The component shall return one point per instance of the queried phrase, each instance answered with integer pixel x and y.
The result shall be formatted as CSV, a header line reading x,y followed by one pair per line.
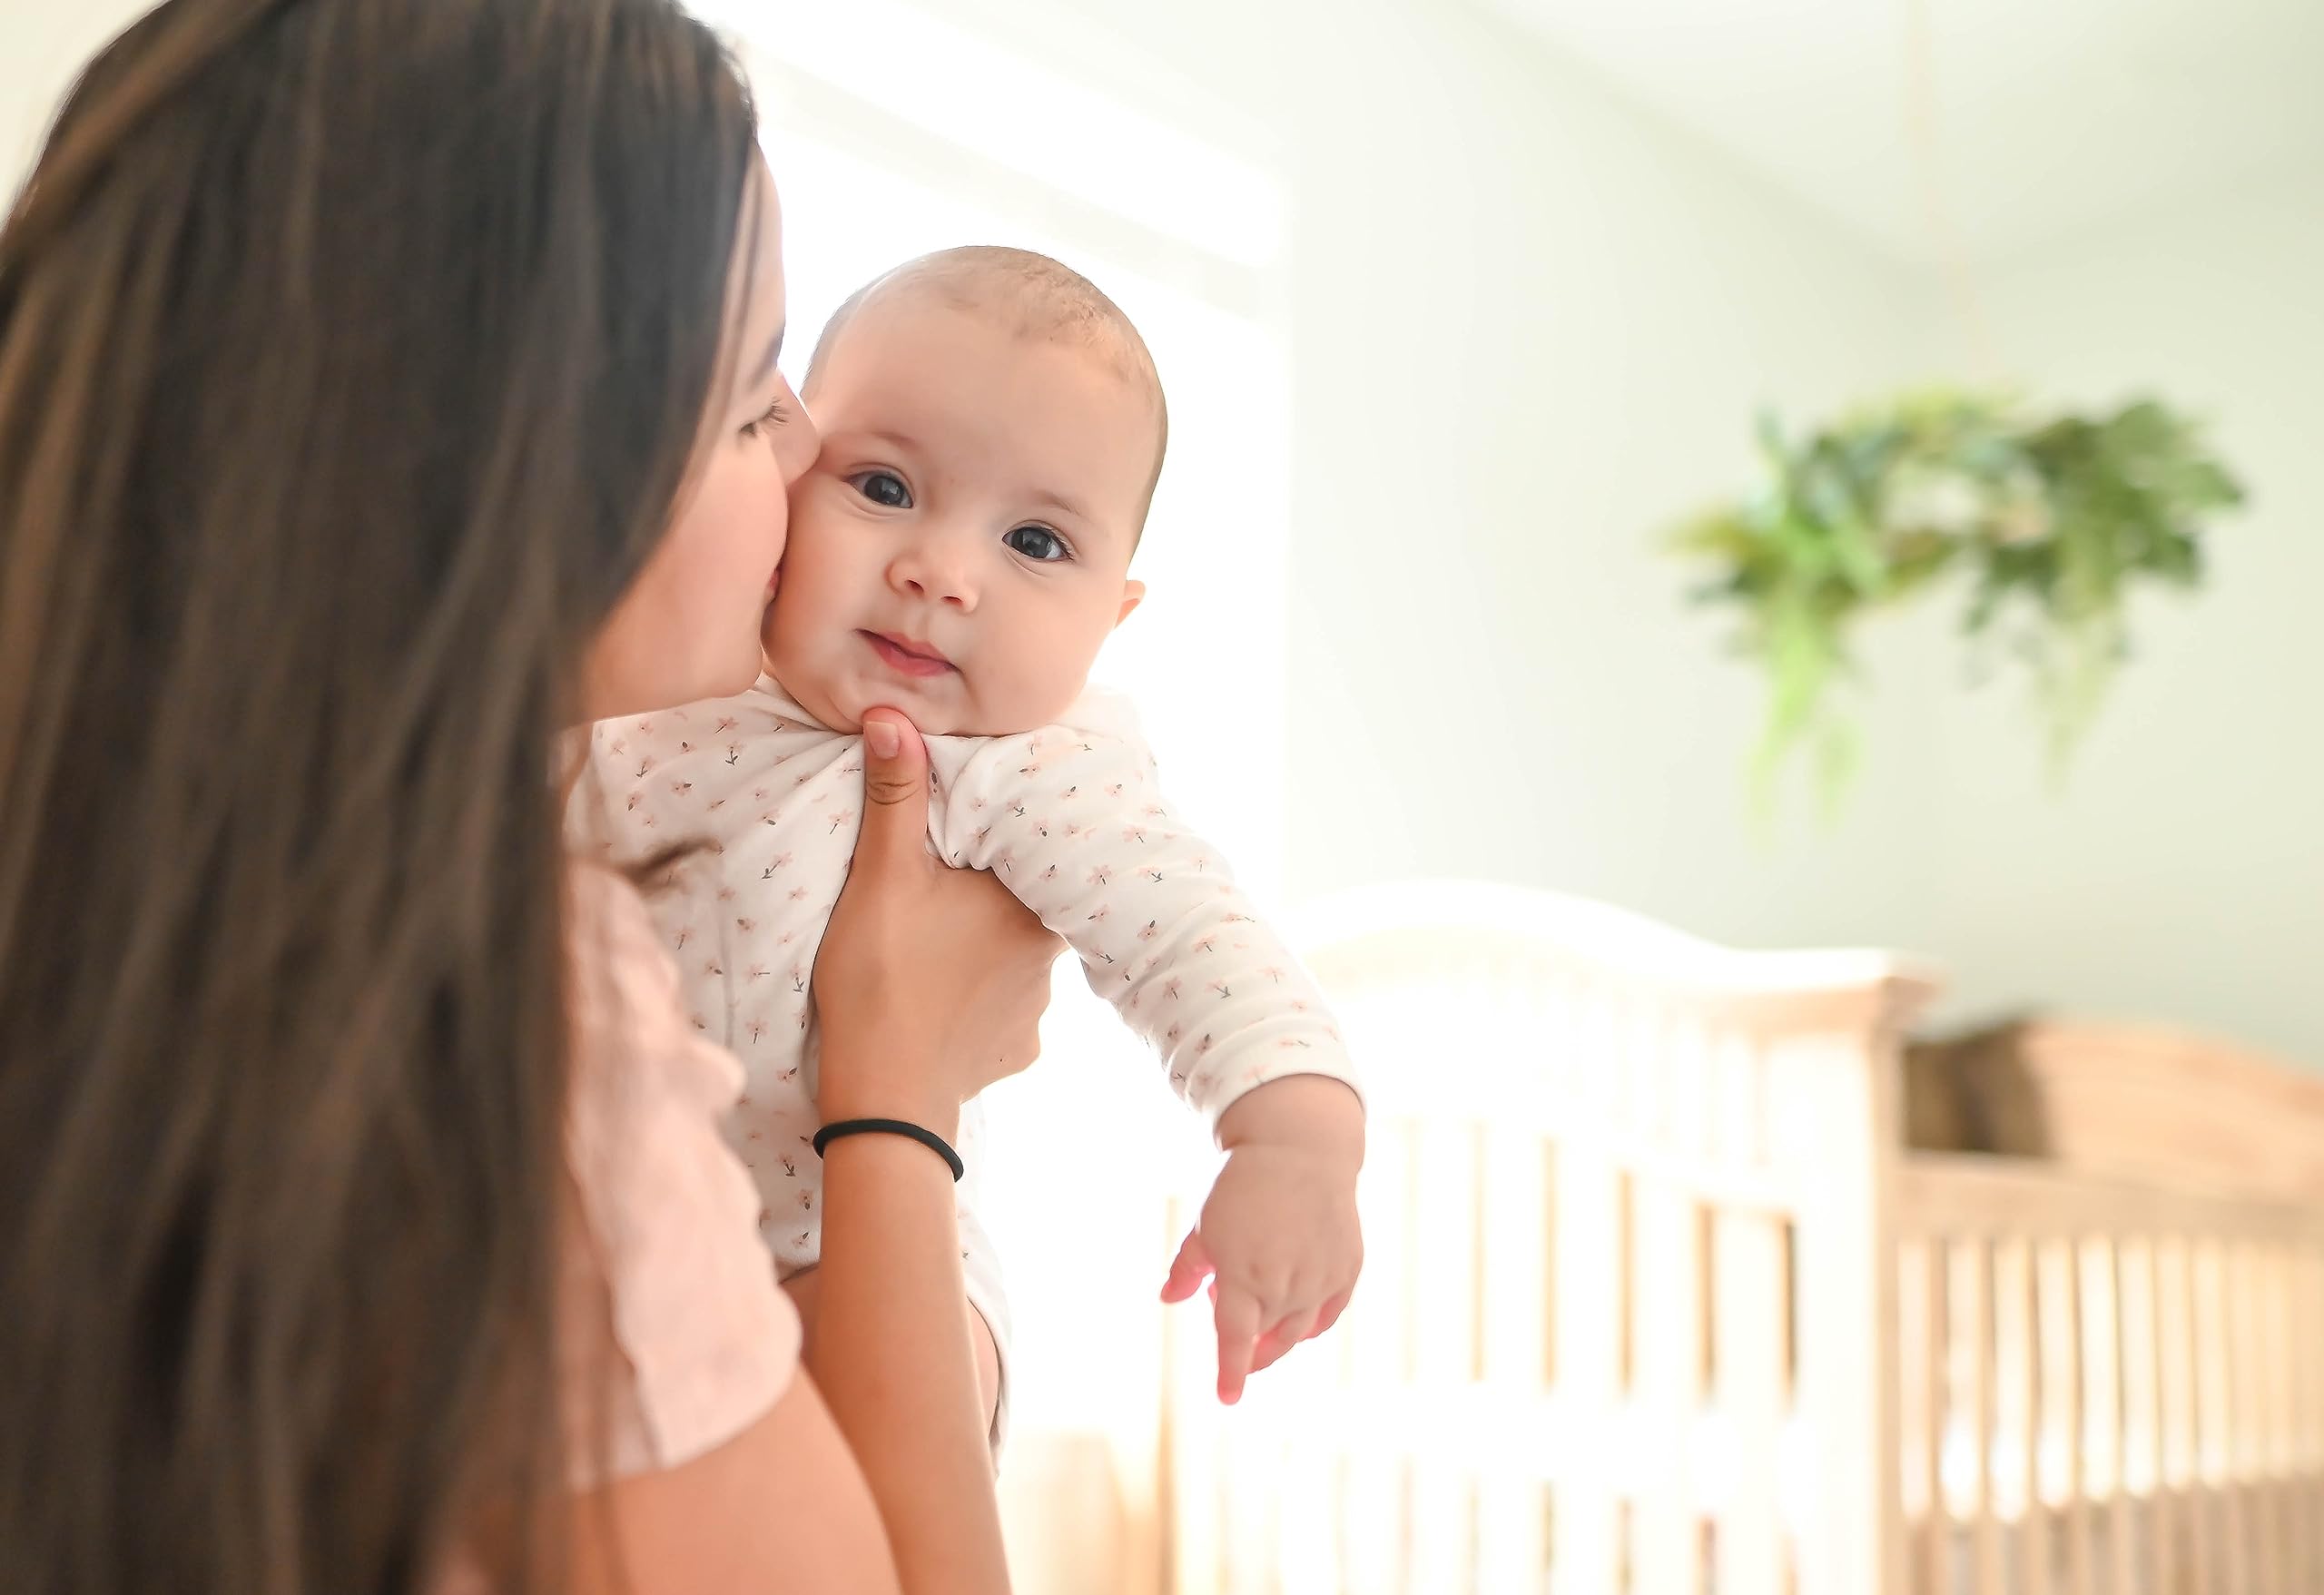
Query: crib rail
x,y
2108,1387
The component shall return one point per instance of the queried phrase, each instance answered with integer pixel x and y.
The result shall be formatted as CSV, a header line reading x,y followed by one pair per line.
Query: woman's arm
x,y
781,1508
887,1488
921,961
894,1358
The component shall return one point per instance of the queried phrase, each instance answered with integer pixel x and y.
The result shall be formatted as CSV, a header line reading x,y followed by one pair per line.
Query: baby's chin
x,y
932,714
840,704
946,706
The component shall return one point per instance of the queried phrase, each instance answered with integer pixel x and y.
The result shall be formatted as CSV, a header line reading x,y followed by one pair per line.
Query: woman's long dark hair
x,y
352,353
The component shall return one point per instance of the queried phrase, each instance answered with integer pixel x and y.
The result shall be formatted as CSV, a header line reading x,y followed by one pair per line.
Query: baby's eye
x,y
1038,543
884,489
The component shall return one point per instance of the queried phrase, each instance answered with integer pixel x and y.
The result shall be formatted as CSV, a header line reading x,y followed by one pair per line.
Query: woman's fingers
x,y
895,793
930,982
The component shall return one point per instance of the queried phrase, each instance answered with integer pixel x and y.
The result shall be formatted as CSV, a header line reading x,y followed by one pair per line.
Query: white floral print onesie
x,y
1070,817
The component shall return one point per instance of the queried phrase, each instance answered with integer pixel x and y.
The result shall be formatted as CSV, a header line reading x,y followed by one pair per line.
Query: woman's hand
x,y
932,981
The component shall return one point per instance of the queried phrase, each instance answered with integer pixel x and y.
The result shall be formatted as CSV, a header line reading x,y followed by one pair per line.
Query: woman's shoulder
x,y
665,1260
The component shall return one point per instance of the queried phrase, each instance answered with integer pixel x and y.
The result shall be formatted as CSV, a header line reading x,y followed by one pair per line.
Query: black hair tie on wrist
x,y
891,1127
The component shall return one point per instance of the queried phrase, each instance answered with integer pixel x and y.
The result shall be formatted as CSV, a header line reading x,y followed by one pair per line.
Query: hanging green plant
x,y
2053,520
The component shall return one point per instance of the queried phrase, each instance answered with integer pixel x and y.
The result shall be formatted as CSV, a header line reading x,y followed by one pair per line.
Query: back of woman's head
x,y
351,354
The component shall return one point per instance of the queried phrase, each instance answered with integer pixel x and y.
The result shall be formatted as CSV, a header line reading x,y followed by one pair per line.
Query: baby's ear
x,y
1133,594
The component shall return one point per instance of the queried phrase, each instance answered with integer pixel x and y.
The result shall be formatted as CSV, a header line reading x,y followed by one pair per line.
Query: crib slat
x,y
1750,1301
2102,1359
1371,1548
1446,1328
2221,1398
1378,1351
2015,1285
1937,1350
2207,1302
2282,1404
2307,1496
2264,1398
2168,1538
1251,1476
2062,1373
2193,1496
2307,1341
2142,1407
2247,1302
1588,1312
2121,1539
1665,1264
1513,1541
1976,1283
2174,1341
2309,1338
2289,1354
1309,1503
2292,1356
2235,1420
2278,1392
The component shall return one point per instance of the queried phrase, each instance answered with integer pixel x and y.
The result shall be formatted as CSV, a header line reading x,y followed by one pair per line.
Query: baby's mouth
x,y
907,655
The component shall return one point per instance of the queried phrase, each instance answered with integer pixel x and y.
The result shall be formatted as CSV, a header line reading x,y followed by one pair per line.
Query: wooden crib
x,y
1656,1301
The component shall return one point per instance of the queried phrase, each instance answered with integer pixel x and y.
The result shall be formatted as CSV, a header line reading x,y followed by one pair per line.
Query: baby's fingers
x,y
1238,1319
1287,1332
1278,1340
1189,1269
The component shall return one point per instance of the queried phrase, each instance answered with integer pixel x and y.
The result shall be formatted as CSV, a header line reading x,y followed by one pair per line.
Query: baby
x,y
993,429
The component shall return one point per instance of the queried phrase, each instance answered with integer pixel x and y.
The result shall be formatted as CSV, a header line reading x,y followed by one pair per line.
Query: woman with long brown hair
x,y
386,388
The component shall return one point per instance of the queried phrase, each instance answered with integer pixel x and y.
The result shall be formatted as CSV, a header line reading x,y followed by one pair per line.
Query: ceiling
x,y
2050,116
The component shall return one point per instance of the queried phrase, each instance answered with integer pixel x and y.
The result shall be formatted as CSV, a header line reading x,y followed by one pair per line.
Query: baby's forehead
x,y
1027,315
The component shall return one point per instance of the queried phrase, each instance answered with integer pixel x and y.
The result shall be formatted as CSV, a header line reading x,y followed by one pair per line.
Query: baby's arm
x,y
1074,822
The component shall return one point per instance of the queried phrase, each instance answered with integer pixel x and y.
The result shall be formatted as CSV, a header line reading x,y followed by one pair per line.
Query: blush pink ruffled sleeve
x,y
674,1337
667,1253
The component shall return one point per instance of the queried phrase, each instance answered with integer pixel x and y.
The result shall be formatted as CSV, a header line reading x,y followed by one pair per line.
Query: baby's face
x,y
961,549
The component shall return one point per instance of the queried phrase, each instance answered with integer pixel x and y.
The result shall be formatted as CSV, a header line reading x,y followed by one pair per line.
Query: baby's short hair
x,y
1037,297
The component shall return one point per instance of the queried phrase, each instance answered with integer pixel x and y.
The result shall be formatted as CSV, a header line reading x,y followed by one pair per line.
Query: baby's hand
x,y
1279,1237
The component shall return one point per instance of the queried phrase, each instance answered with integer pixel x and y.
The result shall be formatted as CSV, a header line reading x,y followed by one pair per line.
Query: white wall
x,y
2180,875
1530,325
42,44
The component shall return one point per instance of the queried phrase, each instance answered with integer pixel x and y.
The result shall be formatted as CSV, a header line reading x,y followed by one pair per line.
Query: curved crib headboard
x,y
1629,1207
1485,967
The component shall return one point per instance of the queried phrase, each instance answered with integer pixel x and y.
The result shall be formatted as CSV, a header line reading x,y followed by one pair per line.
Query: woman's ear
x,y
1133,594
